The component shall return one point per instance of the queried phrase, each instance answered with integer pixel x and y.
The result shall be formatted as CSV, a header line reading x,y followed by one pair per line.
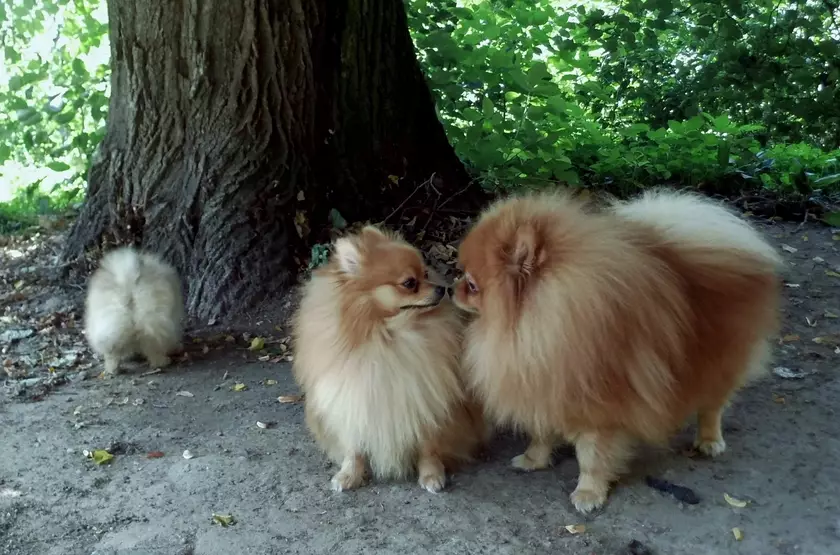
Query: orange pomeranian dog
x,y
604,329
377,354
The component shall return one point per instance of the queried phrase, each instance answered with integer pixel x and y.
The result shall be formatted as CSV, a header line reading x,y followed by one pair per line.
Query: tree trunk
x,y
234,126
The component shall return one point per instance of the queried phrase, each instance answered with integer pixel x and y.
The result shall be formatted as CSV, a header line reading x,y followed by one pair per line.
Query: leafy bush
x,y
54,98
596,93
632,94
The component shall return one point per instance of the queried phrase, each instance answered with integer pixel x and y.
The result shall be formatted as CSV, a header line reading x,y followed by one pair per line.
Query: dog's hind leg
x,y
154,353
536,457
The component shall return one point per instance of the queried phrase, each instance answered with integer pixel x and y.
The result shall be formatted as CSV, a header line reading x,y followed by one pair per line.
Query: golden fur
x,y
377,348
607,328
134,305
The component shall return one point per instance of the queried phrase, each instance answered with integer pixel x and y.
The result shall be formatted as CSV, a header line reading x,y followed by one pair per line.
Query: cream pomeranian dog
x,y
134,305
377,349
605,329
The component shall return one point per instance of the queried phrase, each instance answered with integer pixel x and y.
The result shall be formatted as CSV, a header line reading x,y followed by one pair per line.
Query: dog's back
x,y
134,304
730,275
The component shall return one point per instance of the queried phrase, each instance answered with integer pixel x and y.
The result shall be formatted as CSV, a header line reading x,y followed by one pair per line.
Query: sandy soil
x,y
782,458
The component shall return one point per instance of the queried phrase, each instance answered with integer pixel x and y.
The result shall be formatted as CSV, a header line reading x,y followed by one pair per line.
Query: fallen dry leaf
x,y
154,454
575,528
793,285
830,314
790,337
270,382
187,454
290,398
257,344
832,273
738,534
264,358
263,425
778,399
224,520
184,394
790,374
789,249
825,340
239,387
733,501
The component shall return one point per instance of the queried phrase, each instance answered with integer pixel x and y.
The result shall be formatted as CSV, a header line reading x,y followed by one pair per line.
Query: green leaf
x,y
16,82
28,116
79,68
723,154
58,166
224,520
832,219
538,73
5,153
337,220
12,56
487,107
64,118
101,456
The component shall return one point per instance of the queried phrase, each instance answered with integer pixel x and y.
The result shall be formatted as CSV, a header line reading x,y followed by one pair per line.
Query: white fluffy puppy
x,y
134,305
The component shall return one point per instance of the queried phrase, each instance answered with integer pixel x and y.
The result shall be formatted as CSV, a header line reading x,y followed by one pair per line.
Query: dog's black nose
x,y
440,291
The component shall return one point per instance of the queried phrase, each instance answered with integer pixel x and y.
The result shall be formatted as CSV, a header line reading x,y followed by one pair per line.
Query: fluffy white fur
x,y
390,396
134,305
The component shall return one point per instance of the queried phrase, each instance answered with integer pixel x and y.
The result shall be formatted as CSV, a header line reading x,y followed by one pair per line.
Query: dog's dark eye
x,y
410,283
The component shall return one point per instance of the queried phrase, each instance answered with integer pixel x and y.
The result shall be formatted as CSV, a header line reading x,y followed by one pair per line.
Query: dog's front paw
x,y
524,462
587,500
346,479
710,447
432,482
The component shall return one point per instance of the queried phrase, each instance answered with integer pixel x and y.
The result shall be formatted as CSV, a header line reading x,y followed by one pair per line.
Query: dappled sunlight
x,y
52,65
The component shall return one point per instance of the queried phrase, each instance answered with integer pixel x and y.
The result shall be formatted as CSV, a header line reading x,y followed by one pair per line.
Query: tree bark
x,y
235,126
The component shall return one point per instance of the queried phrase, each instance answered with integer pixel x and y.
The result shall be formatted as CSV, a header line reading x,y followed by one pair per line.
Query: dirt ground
x,y
781,463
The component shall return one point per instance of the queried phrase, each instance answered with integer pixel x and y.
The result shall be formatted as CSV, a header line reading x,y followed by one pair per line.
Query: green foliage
x,y
54,97
319,256
636,93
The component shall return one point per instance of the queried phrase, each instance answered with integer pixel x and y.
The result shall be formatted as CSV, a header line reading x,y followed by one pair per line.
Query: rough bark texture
x,y
230,119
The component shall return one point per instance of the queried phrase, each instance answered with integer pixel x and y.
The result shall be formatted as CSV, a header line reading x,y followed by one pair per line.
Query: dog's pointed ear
x,y
371,230
348,255
524,258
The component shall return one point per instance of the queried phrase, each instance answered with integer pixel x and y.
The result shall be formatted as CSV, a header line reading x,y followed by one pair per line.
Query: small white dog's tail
x,y
708,236
134,305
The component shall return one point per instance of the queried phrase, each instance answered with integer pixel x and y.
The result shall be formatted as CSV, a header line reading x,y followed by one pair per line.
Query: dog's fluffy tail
x,y
708,237
133,296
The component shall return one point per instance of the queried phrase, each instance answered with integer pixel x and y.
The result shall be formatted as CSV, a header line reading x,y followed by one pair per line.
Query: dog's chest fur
x,y
386,397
